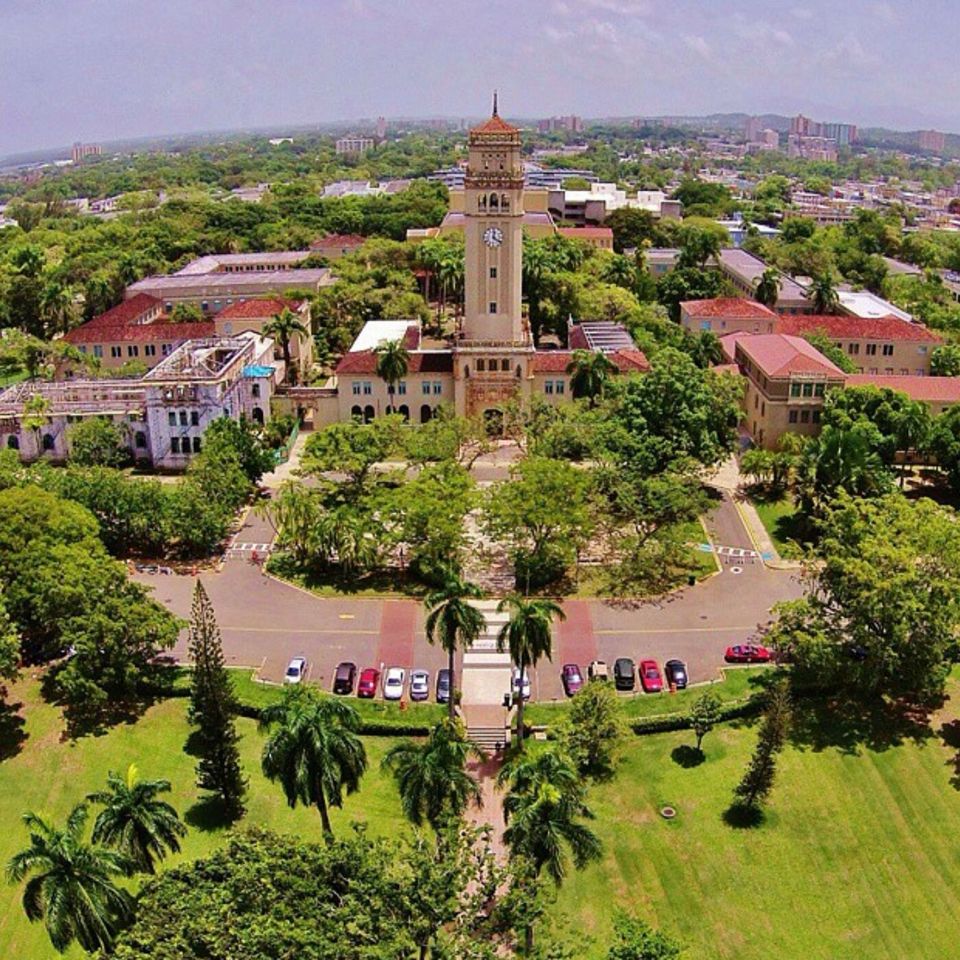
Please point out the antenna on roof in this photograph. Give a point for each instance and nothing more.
(495, 104)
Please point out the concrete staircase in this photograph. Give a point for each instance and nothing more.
(488, 738)
(486, 672)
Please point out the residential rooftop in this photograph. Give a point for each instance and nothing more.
(780, 355)
(729, 307)
(847, 327)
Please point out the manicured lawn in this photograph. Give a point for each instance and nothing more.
(49, 777)
(779, 517)
(737, 684)
(859, 858)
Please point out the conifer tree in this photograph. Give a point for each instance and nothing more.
(212, 709)
(757, 782)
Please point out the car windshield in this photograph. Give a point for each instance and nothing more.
(293, 671)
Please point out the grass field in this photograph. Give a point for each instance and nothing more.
(859, 858)
(778, 516)
(49, 777)
(737, 684)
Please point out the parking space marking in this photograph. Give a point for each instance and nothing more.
(628, 631)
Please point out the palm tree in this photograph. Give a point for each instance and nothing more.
(452, 622)
(537, 263)
(823, 292)
(314, 752)
(543, 809)
(57, 308)
(589, 372)
(71, 886)
(913, 428)
(767, 290)
(450, 273)
(393, 361)
(283, 326)
(143, 828)
(431, 778)
(527, 635)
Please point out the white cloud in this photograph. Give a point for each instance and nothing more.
(765, 33)
(622, 8)
(849, 55)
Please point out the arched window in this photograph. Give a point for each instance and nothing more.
(257, 415)
(13, 442)
(466, 372)
(140, 440)
(48, 441)
(255, 390)
(494, 202)
(425, 414)
(356, 411)
(368, 413)
(482, 201)
(404, 411)
(196, 444)
(504, 202)
(519, 372)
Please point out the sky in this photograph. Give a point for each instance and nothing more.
(98, 70)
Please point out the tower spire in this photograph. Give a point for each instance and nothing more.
(495, 104)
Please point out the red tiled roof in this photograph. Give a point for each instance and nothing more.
(576, 338)
(496, 124)
(857, 328)
(926, 389)
(779, 355)
(583, 233)
(365, 362)
(556, 361)
(738, 307)
(257, 309)
(726, 368)
(162, 330)
(128, 311)
(728, 343)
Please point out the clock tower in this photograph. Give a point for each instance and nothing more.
(493, 211)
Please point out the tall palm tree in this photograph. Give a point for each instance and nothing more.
(543, 809)
(589, 372)
(71, 884)
(143, 828)
(527, 635)
(393, 361)
(57, 308)
(823, 292)
(767, 290)
(283, 326)
(537, 263)
(913, 429)
(450, 273)
(452, 622)
(431, 778)
(313, 751)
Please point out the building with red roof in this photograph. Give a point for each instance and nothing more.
(723, 315)
(333, 246)
(787, 379)
(886, 346)
(257, 313)
(938, 393)
(599, 237)
(139, 309)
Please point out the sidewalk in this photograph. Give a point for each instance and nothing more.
(285, 471)
(761, 539)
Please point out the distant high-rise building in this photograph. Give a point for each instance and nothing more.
(381, 128)
(843, 133)
(81, 150)
(354, 146)
(568, 124)
(752, 129)
(932, 140)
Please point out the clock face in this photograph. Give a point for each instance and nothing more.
(493, 236)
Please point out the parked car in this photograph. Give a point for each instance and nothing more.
(368, 683)
(393, 683)
(419, 685)
(650, 678)
(571, 677)
(515, 684)
(343, 677)
(676, 673)
(296, 670)
(747, 653)
(598, 670)
(443, 686)
(624, 676)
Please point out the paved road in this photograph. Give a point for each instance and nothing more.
(265, 622)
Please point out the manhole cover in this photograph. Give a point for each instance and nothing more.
(668, 813)
(736, 570)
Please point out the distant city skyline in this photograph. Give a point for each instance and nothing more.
(100, 70)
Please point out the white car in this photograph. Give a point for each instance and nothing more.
(296, 670)
(526, 682)
(393, 681)
(419, 685)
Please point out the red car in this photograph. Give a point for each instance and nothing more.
(650, 678)
(572, 678)
(369, 681)
(747, 653)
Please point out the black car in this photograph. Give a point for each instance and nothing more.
(624, 674)
(675, 672)
(344, 677)
(443, 686)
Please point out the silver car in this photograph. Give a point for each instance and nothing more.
(419, 685)
(296, 670)
(393, 682)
